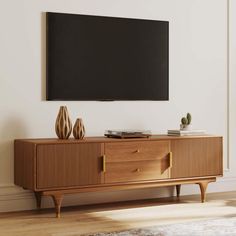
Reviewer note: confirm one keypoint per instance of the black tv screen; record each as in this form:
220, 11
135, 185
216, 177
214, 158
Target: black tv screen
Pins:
106, 58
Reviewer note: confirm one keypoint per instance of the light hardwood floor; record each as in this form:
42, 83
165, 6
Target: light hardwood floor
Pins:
117, 216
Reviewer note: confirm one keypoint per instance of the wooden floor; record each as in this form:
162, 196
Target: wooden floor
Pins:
117, 216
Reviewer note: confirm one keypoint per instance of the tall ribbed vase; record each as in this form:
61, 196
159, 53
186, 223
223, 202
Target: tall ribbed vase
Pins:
63, 126
79, 130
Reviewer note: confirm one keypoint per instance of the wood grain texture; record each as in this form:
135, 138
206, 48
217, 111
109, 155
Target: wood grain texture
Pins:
135, 161
69, 165
136, 151
203, 187
24, 164
197, 157
137, 171
131, 185
57, 167
111, 140
57, 199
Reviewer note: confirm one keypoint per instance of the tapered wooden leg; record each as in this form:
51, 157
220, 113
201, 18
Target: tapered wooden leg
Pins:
203, 187
38, 197
57, 198
178, 187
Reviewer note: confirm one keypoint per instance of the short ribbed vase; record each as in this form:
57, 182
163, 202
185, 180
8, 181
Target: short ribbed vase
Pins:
79, 130
63, 126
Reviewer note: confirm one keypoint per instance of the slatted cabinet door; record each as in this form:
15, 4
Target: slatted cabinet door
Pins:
197, 157
69, 165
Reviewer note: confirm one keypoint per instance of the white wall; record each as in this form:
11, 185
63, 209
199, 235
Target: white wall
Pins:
198, 81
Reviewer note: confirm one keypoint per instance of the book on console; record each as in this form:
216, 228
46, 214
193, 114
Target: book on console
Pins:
127, 133
178, 132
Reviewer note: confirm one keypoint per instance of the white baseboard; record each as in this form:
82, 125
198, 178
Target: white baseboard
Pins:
13, 198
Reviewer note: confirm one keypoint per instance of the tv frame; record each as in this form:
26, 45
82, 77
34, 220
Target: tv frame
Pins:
47, 69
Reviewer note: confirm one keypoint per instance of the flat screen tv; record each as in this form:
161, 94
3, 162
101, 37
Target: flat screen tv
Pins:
106, 58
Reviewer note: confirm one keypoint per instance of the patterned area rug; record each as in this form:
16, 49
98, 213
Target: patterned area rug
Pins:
217, 227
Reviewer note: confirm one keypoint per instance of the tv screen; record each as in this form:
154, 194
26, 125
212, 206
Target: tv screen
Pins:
106, 58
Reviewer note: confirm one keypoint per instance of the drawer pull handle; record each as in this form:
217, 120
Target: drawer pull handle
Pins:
104, 163
137, 151
137, 170
171, 159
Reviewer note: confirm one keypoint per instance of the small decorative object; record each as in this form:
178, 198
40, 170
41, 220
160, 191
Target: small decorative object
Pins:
63, 126
128, 133
186, 122
79, 130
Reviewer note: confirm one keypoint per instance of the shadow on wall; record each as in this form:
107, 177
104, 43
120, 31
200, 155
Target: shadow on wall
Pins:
10, 129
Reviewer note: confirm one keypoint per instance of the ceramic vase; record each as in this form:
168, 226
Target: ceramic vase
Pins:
79, 130
63, 126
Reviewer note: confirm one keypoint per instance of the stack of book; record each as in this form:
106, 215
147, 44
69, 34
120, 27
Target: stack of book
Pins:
193, 132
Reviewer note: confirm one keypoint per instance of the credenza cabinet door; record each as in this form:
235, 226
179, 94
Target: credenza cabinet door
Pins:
69, 165
196, 157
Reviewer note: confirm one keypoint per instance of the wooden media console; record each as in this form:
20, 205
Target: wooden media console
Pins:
53, 167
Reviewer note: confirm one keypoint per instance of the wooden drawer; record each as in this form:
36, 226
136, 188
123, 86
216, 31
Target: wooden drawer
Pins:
137, 170
137, 161
136, 151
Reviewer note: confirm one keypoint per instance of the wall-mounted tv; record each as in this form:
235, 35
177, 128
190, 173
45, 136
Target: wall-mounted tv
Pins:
106, 58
